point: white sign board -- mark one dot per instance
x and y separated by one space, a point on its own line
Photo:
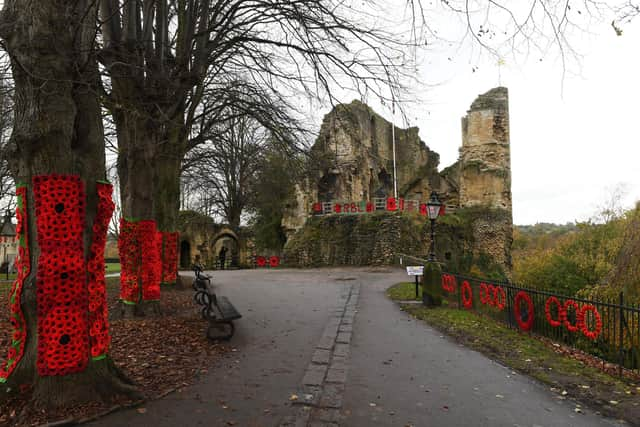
415 270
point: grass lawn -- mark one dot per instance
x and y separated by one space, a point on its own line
113 267
550 364
405 291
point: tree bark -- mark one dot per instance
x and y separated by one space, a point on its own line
57 130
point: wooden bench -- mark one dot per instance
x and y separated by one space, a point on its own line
217 310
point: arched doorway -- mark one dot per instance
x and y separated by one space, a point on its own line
227 242
185 254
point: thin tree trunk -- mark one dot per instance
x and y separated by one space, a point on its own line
57 130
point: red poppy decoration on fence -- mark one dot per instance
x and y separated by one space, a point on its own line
591 334
99 338
484 293
576 309
274 261
523 297
562 314
317 207
500 298
392 204
467 295
370 207
170 257
493 294
423 209
261 261
18 323
449 283
61 292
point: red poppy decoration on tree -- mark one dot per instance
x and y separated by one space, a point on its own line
467 295
261 261
16 349
562 314
274 261
151 271
170 257
140 261
523 297
591 334
98 313
576 310
129 262
62 300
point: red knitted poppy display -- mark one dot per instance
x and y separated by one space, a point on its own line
130 260
19 326
151 271
597 320
261 261
274 261
392 204
561 313
467 295
449 283
99 338
523 297
170 257
567 322
500 297
63 342
140 261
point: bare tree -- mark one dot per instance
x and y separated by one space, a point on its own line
226 166
7 183
161 57
57 129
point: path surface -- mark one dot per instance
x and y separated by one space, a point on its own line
352 358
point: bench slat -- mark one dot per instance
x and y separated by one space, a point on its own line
227 310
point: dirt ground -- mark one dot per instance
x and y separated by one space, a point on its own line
160 354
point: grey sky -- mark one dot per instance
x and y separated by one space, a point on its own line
569 147
573 140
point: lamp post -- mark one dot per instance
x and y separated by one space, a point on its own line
7 235
433 210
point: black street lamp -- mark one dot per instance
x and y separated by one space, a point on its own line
433 210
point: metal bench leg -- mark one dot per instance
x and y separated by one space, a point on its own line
220 331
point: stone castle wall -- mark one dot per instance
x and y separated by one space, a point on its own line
353 161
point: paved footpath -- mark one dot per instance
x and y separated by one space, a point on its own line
332 341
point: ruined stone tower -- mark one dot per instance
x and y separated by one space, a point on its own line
484 178
485 161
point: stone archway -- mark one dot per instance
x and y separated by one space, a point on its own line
185 254
228 239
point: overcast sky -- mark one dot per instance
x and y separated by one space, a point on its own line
570 147
573 140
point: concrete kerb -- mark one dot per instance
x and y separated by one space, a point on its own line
321 392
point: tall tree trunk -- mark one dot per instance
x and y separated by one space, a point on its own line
57 130
166 191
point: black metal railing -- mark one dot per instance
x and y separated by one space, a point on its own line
606 328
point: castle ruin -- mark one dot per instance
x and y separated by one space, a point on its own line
353 161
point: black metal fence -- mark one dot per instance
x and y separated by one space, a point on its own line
608 329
